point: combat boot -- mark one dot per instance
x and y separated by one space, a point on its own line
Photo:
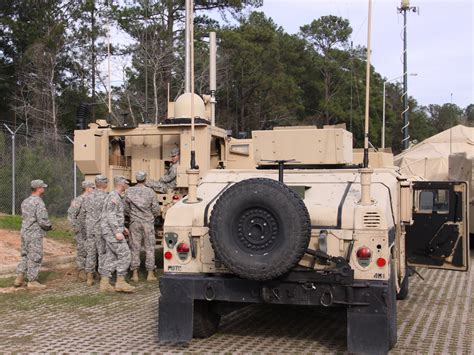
81 275
35 285
90 279
151 276
105 285
122 286
135 275
20 278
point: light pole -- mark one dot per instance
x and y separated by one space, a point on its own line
383 109
13 135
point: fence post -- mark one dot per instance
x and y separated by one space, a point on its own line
13 136
75 168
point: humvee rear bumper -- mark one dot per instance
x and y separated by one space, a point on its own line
366 304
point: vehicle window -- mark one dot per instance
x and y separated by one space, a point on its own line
430 201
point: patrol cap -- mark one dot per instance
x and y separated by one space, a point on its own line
37 183
174 152
101 179
85 184
140 175
119 179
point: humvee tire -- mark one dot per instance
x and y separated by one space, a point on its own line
259 229
205 320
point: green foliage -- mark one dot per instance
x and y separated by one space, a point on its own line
263 92
50 51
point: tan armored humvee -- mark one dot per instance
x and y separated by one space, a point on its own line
307 227
108 150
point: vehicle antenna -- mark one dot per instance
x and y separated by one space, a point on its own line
367 91
366 172
212 75
193 171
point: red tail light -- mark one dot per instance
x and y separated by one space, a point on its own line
364 253
381 262
364 256
182 248
168 255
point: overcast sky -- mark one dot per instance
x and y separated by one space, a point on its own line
440 40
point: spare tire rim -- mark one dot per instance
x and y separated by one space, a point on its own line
257 229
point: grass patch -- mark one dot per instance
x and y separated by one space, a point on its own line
18 301
10 222
7 282
45 276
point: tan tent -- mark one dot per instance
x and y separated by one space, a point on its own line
430 158
448 155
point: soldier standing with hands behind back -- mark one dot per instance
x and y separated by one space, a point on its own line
141 205
76 215
33 229
117 257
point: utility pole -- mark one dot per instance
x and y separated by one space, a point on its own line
405 7
13 135
383 106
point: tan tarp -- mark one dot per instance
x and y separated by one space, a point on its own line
430 158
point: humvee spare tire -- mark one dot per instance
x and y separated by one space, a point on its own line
259 229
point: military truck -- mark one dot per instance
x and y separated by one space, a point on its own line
111 150
307 227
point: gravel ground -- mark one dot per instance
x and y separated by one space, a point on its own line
70 317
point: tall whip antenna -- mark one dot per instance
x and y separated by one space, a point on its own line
365 171
109 70
367 90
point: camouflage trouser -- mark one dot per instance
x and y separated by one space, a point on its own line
81 239
117 258
31 256
95 249
142 232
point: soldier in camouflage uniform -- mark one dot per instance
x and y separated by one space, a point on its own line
95 247
76 215
117 256
141 205
168 181
33 229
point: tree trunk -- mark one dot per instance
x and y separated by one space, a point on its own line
155 94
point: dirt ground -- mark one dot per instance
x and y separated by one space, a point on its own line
10 245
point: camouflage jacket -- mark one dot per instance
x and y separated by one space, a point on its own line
76 214
141 204
112 217
35 217
93 204
166 182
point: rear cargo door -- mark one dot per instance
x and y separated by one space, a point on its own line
438 237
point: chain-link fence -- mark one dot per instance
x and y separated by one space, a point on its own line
37 155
